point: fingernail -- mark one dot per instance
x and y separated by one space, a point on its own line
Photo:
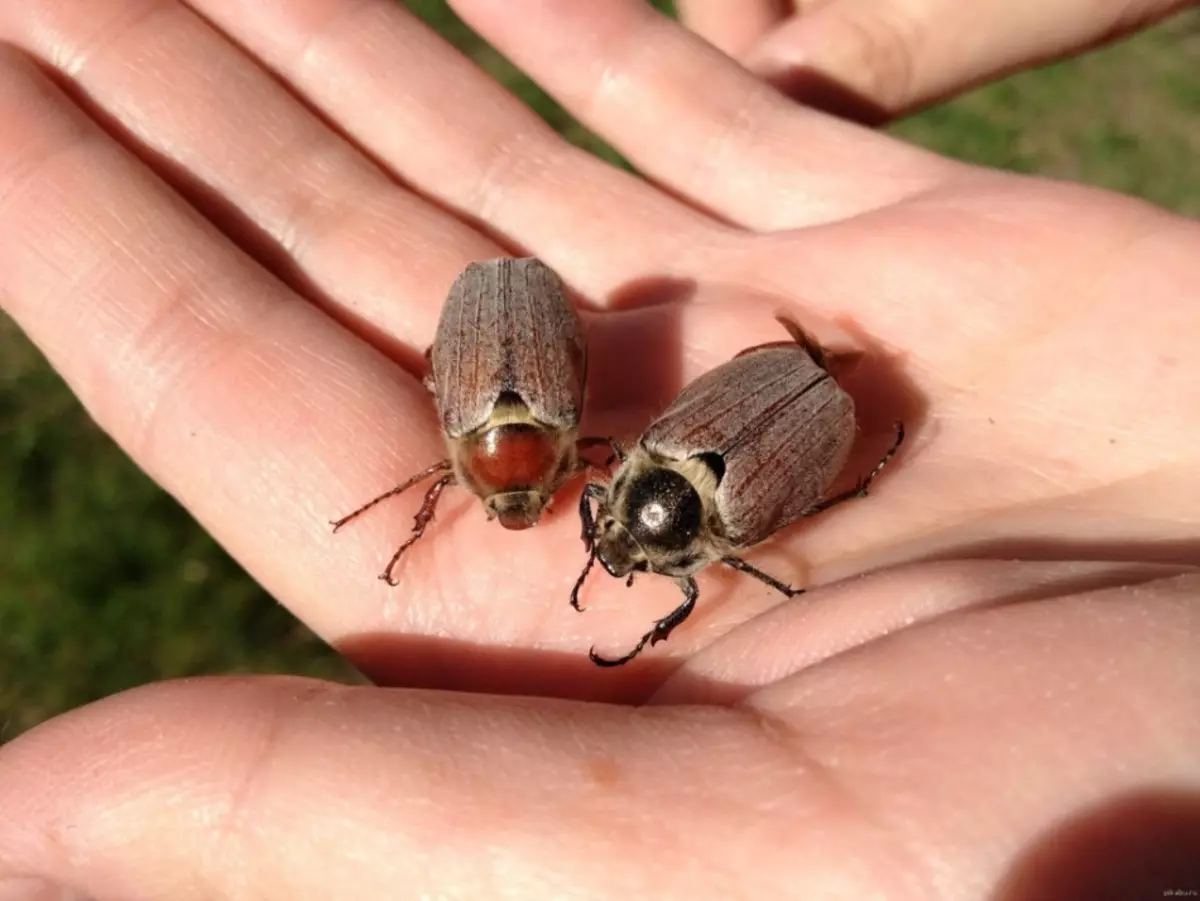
31 889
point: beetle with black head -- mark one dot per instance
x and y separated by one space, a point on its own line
743 451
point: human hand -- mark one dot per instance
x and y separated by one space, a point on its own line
876 59
234 360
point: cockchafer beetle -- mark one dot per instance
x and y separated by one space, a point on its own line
742 452
507 370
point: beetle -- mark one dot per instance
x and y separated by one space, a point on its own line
744 451
507 370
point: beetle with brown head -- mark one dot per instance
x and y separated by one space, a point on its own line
507 370
742 452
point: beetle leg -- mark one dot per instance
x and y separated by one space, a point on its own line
860 490
440 466
588 527
611 443
662 628
616 454
742 566
420 521
587 522
587 568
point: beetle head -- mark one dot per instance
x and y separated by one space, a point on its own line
658 524
616 550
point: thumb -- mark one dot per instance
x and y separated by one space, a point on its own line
875 59
281 788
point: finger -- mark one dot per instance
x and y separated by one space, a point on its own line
900 55
993 780
695 120
239 398
266 169
266 419
226 788
451 132
197 789
732 26
822 624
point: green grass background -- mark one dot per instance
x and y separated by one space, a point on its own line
105 583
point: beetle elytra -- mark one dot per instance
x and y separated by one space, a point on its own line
507 369
743 451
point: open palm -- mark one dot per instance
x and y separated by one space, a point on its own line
217 270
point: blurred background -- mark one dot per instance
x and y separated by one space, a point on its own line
105 583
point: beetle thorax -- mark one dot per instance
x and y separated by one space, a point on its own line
658 517
514 464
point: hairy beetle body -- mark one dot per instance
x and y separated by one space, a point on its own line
743 451
771 426
507 369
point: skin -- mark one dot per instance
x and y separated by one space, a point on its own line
992 711
895 56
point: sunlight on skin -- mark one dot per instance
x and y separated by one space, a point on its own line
1036 337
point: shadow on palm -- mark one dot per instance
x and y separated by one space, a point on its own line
973 330
507 593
